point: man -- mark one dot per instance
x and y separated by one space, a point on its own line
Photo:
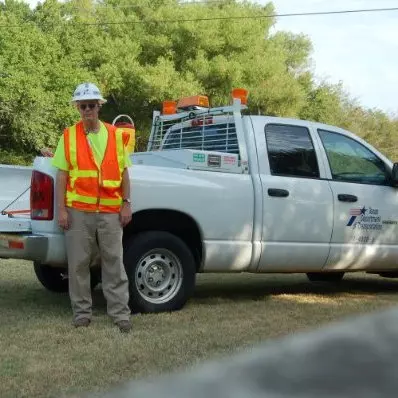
92 198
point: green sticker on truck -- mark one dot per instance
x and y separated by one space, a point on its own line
199 157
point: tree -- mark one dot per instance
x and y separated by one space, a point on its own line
144 53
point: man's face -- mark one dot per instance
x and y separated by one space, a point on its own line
88 109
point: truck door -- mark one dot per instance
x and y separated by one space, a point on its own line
297 199
365 225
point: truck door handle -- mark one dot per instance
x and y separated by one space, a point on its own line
280 193
347 198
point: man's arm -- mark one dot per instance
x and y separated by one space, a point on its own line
125 212
59 161
126 184
63 219
62 178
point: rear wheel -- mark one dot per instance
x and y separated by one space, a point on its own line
325 276
161 271
55 279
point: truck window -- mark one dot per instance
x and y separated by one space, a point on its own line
291 151
219 137
350 161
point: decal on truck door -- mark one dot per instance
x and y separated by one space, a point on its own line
365 219
366 222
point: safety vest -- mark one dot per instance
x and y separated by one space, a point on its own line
92 187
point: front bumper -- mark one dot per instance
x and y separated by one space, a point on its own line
26 246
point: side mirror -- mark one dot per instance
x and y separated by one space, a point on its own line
394 175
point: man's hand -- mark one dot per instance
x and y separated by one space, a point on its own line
47 152
63 219
125 214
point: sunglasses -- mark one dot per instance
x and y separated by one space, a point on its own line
84 106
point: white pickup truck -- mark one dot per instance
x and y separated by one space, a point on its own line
220 191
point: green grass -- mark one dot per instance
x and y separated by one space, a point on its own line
41 355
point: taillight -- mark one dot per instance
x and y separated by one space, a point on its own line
41 196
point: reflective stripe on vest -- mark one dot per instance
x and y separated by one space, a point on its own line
74 197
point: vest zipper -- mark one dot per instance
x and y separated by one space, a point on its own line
99 171
99 186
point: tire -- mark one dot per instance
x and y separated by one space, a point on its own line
55 279
161 271
332 277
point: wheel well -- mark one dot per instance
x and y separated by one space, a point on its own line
175 222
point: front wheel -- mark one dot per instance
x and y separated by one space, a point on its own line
161 271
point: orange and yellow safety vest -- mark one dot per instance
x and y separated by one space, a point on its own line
90 186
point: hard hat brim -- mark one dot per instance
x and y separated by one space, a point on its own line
100 100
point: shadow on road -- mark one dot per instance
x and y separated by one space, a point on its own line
252 287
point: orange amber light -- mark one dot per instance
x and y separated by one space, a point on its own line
240 93
195 100
169 107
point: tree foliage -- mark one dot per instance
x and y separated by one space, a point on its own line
145 52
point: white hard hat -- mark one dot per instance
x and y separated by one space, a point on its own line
87 91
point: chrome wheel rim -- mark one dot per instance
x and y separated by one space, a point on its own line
158 276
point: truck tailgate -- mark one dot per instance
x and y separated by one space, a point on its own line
18 241
14 224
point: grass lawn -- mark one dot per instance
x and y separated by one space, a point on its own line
41 355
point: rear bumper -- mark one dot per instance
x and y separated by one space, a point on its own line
25 246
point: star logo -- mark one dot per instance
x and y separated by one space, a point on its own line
356 212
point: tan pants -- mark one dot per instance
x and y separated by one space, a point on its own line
80 247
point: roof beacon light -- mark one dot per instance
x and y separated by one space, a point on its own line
169 107
193 103
240 93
